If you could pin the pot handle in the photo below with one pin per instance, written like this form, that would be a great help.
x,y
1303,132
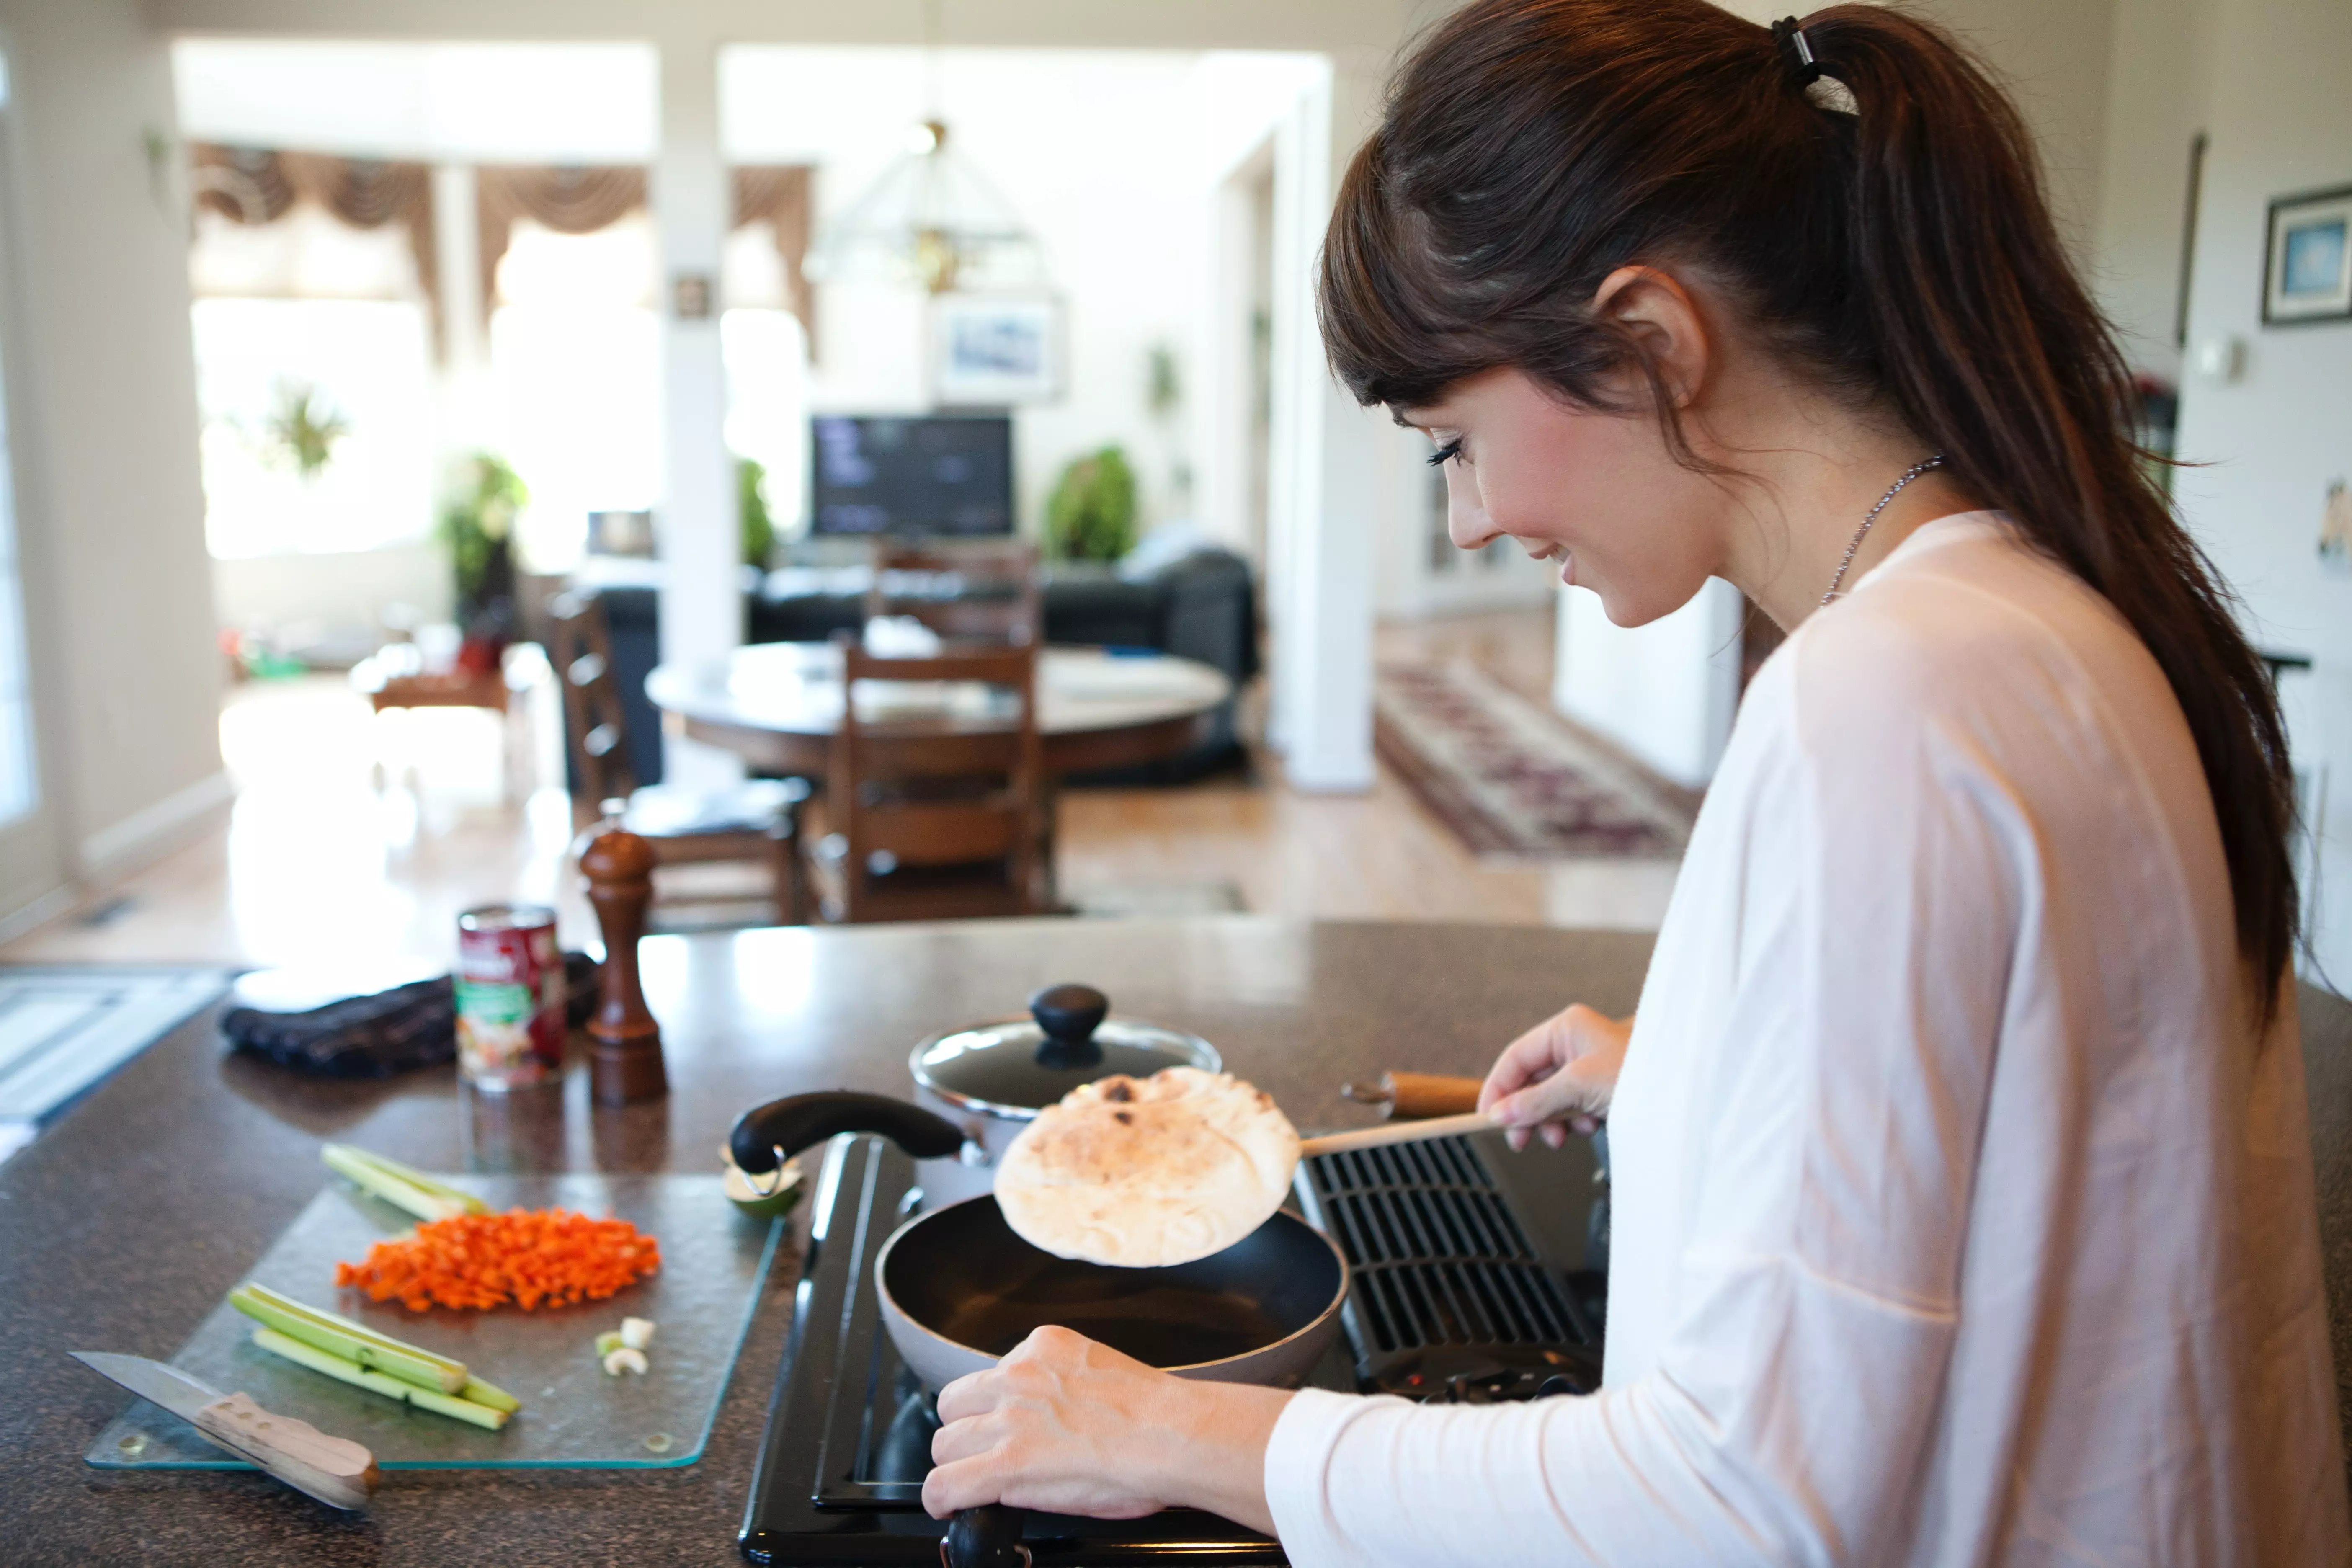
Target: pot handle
x,y
767,1135
1067,1016
987,1537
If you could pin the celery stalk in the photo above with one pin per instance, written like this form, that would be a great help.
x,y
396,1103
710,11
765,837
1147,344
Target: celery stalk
x,y
489,1393
399,1186
348,1341
350,1371
466,1202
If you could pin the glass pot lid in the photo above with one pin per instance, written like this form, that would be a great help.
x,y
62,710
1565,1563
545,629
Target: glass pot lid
x,y
1018,1067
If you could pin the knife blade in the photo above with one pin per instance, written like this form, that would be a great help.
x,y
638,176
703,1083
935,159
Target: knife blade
x,y
335,1470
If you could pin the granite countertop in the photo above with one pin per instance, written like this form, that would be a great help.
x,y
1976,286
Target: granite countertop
x,y
123,1226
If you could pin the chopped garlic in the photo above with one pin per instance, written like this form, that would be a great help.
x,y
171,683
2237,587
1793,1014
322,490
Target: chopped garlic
x,y
637,1332
624,1360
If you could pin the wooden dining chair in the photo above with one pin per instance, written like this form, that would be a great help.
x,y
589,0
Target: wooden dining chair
x,y
979,590
757,820
929,821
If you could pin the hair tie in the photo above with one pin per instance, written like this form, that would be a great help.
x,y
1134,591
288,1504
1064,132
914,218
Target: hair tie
x,y
1796,52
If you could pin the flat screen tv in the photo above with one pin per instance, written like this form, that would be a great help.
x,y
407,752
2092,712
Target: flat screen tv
x,y
941,474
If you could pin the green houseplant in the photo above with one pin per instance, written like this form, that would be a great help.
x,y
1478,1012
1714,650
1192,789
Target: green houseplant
x,y
751,508
478,525
302,429
1091,514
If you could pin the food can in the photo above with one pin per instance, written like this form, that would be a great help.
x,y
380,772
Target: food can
x,y
510,996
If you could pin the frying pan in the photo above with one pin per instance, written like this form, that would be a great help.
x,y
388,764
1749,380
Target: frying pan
x,y
959,1290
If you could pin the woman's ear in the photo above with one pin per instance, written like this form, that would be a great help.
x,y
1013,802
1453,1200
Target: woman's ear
x,y
1659,313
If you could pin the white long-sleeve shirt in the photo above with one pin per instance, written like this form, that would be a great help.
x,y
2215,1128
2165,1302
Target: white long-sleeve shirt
x,y
1958,1216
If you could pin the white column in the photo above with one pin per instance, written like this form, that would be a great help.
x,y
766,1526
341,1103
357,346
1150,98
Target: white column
x,y
1665,692
1225,387
464,349
702,596
1327,457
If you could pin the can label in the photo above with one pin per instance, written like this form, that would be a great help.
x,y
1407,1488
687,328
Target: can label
x,y
510,985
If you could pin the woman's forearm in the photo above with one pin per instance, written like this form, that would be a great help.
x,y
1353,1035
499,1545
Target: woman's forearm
x,y
1212,1455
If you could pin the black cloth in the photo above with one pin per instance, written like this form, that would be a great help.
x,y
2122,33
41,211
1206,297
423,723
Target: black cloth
x,y
391,1032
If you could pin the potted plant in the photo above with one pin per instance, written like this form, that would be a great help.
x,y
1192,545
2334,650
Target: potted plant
x,y
301,431
758,529
478,525
1091,514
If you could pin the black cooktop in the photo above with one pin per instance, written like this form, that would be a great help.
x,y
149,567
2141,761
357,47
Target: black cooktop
x,y
1476,1276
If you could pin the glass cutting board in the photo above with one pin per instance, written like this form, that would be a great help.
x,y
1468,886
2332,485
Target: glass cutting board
x,y
714,1261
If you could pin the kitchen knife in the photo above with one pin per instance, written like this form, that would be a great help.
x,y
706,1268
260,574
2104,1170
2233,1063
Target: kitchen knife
x,y
336,1470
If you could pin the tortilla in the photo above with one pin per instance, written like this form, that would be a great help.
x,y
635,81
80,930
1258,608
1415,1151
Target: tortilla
x,y
1147,1173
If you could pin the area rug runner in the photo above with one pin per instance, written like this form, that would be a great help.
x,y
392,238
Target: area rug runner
x,y
1512,779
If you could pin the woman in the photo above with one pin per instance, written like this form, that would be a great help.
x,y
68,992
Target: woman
x,y
1962,1197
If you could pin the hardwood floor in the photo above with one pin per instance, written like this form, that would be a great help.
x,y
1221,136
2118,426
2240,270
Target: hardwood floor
x,y
318,864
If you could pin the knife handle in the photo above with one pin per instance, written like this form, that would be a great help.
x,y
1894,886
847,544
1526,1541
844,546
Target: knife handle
x,y
336,1470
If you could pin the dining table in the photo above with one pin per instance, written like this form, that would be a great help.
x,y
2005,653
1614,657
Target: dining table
x,y
124,1223
778,705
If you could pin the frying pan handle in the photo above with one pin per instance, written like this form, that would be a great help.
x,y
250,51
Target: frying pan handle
x,y
800,1121
986,1537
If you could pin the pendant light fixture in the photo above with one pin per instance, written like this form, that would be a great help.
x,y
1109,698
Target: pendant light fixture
x,y
928,219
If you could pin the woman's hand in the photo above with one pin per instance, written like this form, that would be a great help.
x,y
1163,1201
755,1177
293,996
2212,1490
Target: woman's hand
x,y
1558,1076
1067,1425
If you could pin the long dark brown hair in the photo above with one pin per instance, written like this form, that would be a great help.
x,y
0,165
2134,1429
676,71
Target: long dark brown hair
x,y
1894,244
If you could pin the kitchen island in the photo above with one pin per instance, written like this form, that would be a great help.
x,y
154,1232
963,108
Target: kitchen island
x,y
124,1224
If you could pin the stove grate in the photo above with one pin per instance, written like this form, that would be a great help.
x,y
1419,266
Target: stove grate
x,y
1438,1258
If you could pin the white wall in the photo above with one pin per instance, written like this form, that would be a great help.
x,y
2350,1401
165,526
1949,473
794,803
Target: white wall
x,y
344,593
2156,109
1412,583
2269,91
104,437
482,102
1112,158
1665,693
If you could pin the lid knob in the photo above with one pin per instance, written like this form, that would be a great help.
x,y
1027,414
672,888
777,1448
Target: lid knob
x,y
1069,1015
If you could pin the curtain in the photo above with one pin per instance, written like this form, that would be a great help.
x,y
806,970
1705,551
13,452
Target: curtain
x,y
567,200
781,195
255,185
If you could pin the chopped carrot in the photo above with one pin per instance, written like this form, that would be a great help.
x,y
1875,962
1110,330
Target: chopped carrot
x,y
529,1257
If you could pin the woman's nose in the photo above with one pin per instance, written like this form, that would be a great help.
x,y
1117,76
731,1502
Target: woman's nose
x,y
1467,525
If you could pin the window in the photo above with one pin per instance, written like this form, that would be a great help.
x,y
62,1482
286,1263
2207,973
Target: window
x,y
363,364
310,312
575,368
767,405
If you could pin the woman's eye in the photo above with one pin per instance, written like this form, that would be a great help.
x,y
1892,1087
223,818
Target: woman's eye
x,y
1451,450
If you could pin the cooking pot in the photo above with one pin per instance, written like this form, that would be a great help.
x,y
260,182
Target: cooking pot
x,y
991,1080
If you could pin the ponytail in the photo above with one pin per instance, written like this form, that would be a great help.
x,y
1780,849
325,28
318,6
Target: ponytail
x,y
1897,247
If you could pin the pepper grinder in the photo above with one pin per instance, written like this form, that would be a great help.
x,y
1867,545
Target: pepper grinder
x,y
625,1055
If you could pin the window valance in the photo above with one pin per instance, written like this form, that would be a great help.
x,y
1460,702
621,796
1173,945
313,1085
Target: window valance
x,y
257,185
782,196
579,200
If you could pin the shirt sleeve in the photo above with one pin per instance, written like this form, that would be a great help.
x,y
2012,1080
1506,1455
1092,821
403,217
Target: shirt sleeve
x,y
1883,878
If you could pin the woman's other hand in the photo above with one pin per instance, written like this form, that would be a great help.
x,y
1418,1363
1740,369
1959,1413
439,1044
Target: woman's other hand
x,y
1558,1076
1067,1425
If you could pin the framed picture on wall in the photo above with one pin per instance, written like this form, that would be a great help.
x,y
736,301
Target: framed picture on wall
x,y
989,349
2307,265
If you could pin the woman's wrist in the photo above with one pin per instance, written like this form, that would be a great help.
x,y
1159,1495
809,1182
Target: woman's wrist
x,y
1209,1451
